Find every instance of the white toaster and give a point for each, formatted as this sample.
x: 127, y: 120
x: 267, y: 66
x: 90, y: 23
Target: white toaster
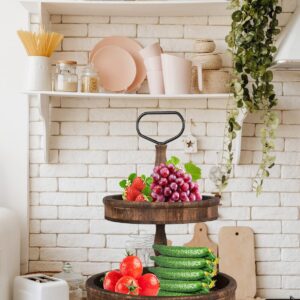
x: 40, y: 287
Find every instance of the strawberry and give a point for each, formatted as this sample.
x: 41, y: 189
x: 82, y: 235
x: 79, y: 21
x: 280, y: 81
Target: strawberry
x: 130, y: 193
x: 138, y: 183
x: 141, y: 198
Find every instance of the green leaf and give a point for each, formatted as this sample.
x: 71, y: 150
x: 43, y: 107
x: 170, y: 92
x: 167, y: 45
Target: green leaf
x: 173, y: 160
x: 268, y: 76
x: 123, y: 183
x: 147, y: 191
x: 131, y: 177
x: 192, y: 169
x: 148, y: 180
x: 237, y: 16
x: 278, y: 9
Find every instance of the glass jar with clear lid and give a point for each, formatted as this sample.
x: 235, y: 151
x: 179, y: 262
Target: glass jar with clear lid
x: 89, y: 80
x: 74, y: 280
x: 141, y: 245
x: 66, y: 79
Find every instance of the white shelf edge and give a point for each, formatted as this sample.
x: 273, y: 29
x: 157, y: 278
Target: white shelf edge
x: 130, y: 8
x: 125, y: 96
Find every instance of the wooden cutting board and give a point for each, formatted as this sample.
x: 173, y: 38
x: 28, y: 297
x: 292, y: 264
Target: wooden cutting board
x: 201, y: 239
x: 237, y: 259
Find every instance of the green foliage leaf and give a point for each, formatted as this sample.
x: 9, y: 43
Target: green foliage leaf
x: 237, y: 16
x: 131, y: 177
x: 193, y: 170
x: 123, y: 183
x: 148, y: 180
x: 147, y: 191
x: 251, y: 43
x: 173, y: 160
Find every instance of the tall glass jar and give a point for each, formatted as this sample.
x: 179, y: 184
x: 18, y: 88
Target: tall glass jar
x: 89, y: 80
x: 141, y: 245
x: 66, y: 79
x: 74, y: 280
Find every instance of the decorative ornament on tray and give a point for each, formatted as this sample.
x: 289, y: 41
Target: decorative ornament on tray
x: 189, y: 141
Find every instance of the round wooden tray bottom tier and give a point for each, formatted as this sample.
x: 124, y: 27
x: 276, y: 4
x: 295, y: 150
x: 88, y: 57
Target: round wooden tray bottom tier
x: 118, y: 210
x: 224, y: 290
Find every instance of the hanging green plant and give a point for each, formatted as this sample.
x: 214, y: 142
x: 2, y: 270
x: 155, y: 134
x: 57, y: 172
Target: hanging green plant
x: 251, y: 43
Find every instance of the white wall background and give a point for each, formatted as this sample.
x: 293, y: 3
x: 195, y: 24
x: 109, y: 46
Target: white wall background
x: 66, y: 210
x: 94, y: 145
x: 13, y: 118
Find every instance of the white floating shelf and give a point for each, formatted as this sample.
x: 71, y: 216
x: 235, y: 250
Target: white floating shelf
x: 129, y: 7
x: 126, y: 96
x: 44, y: 101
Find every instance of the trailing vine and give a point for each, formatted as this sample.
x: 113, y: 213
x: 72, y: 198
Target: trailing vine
x: 251, y: 42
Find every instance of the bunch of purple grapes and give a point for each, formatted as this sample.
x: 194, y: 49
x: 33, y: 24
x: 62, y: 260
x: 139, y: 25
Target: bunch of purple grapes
x: 173, y: 185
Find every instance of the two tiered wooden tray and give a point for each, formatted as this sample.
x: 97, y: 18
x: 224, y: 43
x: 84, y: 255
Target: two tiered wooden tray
x: 160, y: 214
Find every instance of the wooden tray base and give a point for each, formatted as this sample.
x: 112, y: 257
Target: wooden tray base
x: 224, y: 290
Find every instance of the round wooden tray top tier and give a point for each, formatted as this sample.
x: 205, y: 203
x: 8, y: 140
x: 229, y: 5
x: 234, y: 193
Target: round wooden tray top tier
x: 118, y: 210
x: 224, y: 289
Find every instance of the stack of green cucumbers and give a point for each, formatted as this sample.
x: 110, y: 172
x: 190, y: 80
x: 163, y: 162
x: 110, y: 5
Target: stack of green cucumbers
x: 184, y: 271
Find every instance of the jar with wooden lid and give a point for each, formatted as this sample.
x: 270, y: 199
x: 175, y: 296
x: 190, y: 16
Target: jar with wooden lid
x: 66, y: 79
x: 89, y: 80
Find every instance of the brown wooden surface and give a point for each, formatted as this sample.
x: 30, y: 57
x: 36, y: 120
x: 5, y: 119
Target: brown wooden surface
x: 160, y: 236
x: 118, y: 210
x: 201, y: 239
x: 224, y: 290
x: 161, y: 154
x: 237, y: 258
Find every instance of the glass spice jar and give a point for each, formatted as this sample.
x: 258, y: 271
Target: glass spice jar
x: 66, y: 79
x: 74, y: 280
x: 89, y: 80
x: 141, y: 245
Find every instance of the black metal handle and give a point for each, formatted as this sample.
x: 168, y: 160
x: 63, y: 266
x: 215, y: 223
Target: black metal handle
x: 160, y: 113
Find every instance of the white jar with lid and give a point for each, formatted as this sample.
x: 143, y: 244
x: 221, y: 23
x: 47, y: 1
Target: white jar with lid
x: 66, y: 79
x: 74, y: 280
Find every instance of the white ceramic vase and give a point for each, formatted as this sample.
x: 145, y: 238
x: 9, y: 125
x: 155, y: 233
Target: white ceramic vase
x: 39, y: 75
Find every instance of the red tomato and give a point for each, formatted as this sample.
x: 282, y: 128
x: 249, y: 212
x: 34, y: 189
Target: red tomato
x: 127, y: 285
x: 131, y: 266
x: 110, y: 280
x: 149, y: 285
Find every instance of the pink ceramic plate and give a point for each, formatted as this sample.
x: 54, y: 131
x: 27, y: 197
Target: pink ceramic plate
x: 116, y: 68
x: 133, y: 47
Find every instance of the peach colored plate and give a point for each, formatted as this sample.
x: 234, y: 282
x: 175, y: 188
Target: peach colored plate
x: 133, y: 47
x: 116, y: 68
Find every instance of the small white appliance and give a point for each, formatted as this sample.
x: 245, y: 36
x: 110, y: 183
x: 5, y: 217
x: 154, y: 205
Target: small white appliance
x: 40, y: 287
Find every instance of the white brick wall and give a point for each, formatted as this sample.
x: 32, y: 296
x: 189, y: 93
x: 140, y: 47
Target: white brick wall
x: 94, y: 144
